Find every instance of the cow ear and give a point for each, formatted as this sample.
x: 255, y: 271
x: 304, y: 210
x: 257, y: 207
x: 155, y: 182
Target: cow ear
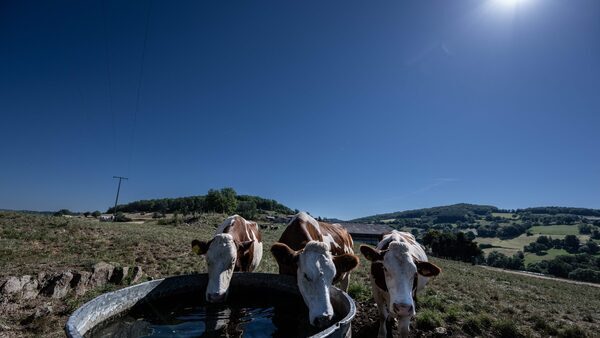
x: 427, y: 269
x: 346, y: 262
x: 283, y: 254
x: 244, y: 246
x: 200, y: 248
x: 371, y: 254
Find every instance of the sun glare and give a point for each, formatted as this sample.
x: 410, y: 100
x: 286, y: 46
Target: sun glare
x: 508, y: 3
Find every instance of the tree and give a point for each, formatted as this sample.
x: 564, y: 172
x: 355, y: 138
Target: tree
x: 63, y: 212
x: 96, y: 214
x: 571, y: 243
x: 585, y: 229
x: 87, y: 214
x: 247, y: 209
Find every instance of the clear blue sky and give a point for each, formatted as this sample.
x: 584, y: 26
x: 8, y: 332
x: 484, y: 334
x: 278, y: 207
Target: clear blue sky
x: 342, y: 108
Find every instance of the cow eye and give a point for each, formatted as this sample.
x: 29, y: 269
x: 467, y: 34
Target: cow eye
x: 306, y: 277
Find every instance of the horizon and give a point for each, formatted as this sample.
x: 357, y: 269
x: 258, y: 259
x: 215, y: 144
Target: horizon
x: 343, y: 109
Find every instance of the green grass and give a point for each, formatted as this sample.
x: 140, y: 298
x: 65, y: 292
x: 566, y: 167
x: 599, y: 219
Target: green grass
x: 507, y: 215
x: 465, y: 299
x: 555, y: 230
x: 508, y: 247
x: 552, y: 253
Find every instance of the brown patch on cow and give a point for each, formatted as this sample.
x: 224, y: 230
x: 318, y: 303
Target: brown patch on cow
x: 378, y: 275
x: 245, y: 255
x: 427, y: 269
x: 239, y: 230
x: 286, y: 258
x: 340, y: 236
x: 344, y: 263
x: 313, y: 233
x: 200, y: 247
x: 372, y: 254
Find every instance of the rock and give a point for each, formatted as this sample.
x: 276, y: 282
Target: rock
x: 58, y: 285
x: 137, y: 274
x: 13, y: 285
x: 440, y: 330
x: 119, y: 274
x: 30, y: 287
x: 40, y: 311
x: 101, y: 274
x: 80, y: 282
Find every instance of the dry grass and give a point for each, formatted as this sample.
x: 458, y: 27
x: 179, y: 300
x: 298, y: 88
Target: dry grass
x: 466, y: 300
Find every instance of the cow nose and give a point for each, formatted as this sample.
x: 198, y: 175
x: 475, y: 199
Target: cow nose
x: 403, y: 309
x: 322, y: 320
x: 214, y: 297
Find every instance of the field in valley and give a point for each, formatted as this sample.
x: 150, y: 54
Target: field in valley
x: 464, y: 300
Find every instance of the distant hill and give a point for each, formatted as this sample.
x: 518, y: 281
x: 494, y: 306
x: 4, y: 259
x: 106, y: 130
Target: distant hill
x: 33, y: 212
x: 441, y: 214
x: 561, y: 211
x: 463, y: 211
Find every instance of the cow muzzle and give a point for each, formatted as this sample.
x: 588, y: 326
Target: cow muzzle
x: 402, y: 310
x: 322, y: 320
x: 215, y: 297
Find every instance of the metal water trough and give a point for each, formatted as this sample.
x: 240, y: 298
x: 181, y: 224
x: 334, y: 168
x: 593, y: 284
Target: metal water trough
x: 117, y: 303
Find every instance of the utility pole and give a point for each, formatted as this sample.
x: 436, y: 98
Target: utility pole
x: 117, y: 199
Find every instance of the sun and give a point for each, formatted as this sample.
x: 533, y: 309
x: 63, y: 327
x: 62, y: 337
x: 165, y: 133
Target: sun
x: 508, y: 3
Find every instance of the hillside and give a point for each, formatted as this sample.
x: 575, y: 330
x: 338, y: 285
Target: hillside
x: 465, y: 300
x: 224, y: 200
x: 460, y: 211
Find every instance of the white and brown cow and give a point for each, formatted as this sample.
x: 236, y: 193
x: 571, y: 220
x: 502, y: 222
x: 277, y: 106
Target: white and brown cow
x: 318, y: 254
x: 399, y: 269
x: 237, y: 246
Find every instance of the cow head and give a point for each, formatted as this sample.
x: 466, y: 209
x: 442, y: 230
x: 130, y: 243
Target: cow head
x: 396, y: 271
x: 316, y: 269
x: 221, y: 258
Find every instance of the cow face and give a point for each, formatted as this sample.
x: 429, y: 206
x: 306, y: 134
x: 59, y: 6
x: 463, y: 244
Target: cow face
x: 316, y: 268
x: 221, y: 256
x: 396, y: 271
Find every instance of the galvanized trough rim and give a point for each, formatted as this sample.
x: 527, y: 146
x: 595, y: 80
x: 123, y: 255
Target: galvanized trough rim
x: 75, y: 328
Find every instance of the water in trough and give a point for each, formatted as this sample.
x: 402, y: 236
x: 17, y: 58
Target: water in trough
x: 266, y: 317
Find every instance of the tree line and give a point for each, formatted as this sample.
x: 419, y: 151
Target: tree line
x: 225, y: 200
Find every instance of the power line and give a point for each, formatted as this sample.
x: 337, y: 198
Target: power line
x: 139, y: 88
x: 109, y: 78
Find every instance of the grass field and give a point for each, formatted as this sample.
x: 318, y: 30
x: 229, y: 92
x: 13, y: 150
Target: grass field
x: 508, y: 247
x: 465, y: 300
x: 552, y: 253
x: 507, y: 215
x: 555, y: 230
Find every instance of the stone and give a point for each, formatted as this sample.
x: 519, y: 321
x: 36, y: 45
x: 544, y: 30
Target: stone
x: 119, y: 275
x: 440, y: 330
x: 30, y: 287
x: 137, y: 274
x: 58, y: 285
x: 80, y: 282
x: 13, y: 285
x: 101, y: 274
x: 40, y: 311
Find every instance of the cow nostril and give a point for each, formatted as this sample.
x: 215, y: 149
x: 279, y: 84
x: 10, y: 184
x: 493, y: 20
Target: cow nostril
x: 322, y: 320
x: 402, y: 308
x: 212, y: 297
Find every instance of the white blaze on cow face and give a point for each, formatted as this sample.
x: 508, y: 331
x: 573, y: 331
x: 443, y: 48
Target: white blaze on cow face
x: 220, y: 259
x: 316, y: 271
x: 400, y: 277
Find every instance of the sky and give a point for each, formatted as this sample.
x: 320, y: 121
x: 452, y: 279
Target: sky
x: 341, y: 108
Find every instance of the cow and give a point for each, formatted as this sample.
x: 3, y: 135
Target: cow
x: 236, y: 246
x: 318, y: 254
x: 399, y: 269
